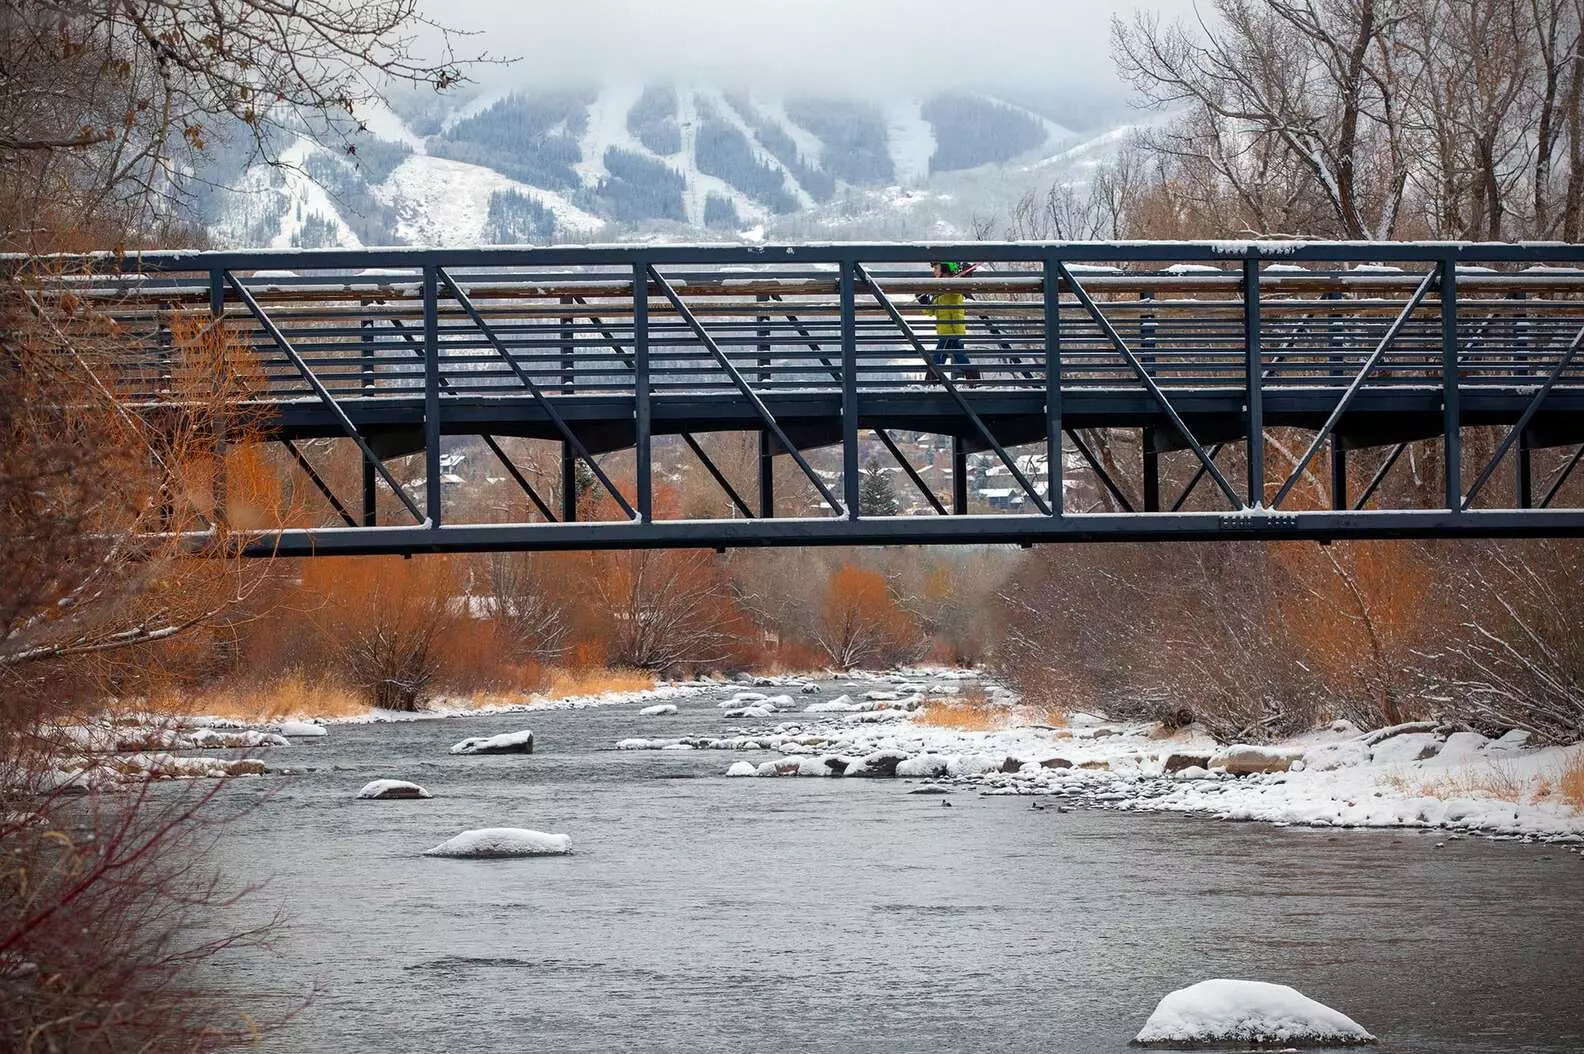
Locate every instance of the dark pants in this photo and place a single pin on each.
(954, 346)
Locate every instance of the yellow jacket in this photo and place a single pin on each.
(950, 318)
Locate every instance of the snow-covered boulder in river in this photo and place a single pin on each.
(505, 743)
(1236, 1013)
(658, 710)
(383, 790)
(743, 768)
(301, 729)
(493, 842)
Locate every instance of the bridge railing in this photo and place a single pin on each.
(567, 324)
(1198, 345)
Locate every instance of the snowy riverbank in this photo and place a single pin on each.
(1416, 775)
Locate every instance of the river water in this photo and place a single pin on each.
(713, 914)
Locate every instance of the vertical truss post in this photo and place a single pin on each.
(642, 466)
(568, 350)
(217, 297)
(1256, 401)
(1523, 473)
(431, 342)
(1151, 469)
(1339, 480)
(1053, 397)
(370, 496)
(568, 484)
(849, 358)
(766, 477)
(959, 474)
(764, 340)
(1147, 328)
(1452, 422)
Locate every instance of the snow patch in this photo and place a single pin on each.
(1224, 1011)
(491, 842)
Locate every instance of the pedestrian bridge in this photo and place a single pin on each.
(1261, 390)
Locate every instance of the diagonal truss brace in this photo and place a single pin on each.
(1562, 477)
(1528, 415)
(747, 390)
(1205, 460)
(907, 467)
(569, 436)
(1099, 471)
(324, 395)
(717, 475)
(863, 275)
(1356, 386)
(519, 478)
(318, 481)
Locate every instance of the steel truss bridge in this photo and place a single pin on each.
(1216, 354)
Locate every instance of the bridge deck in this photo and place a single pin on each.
(1198, 346)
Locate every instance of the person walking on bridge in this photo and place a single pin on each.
(950, 320)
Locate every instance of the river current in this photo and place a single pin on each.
(713, 914)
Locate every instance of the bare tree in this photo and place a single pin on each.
(668, 608)
(527, 602)
(101, 104)
(1292, 105)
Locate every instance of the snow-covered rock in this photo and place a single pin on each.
(925, 765)
(657, 710)
(810, 689)
(301, 729)
(490, 842)
(743, 768)
(1244, 759)
(379, 790)
(840, 704)
(1331, 756)
(1223, 1012)
(973, 764)
(878, 764)
(505, 743)
(1411, 746)
(749, 711)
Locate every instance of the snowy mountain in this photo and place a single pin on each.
(650, 161)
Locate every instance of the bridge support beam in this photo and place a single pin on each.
(1339, 482)
(1523, 474)
(766, 477)
(1151, 470)
(568, 484)
(959, 476)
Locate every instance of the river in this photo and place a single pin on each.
(713, 914)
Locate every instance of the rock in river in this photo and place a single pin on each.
(381, 790)
(506, 743)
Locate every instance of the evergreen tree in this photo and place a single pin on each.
(876, 494)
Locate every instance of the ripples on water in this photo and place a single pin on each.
(848, 915)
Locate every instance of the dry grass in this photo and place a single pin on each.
(1490, 781)
(1569, 780)
(597, 681)
(294, 695)
(968, 712)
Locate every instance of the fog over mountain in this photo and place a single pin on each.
(619, 121)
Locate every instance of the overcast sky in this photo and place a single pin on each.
(870, 45)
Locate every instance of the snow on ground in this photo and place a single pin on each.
(442, 202)
(607, 127)
(698, 185)
(256, 192)
(809, 146)
(489, 842)
(387, 789)
(1221, 1012)
(911, 141)
(1415, 775)
(729, 114)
